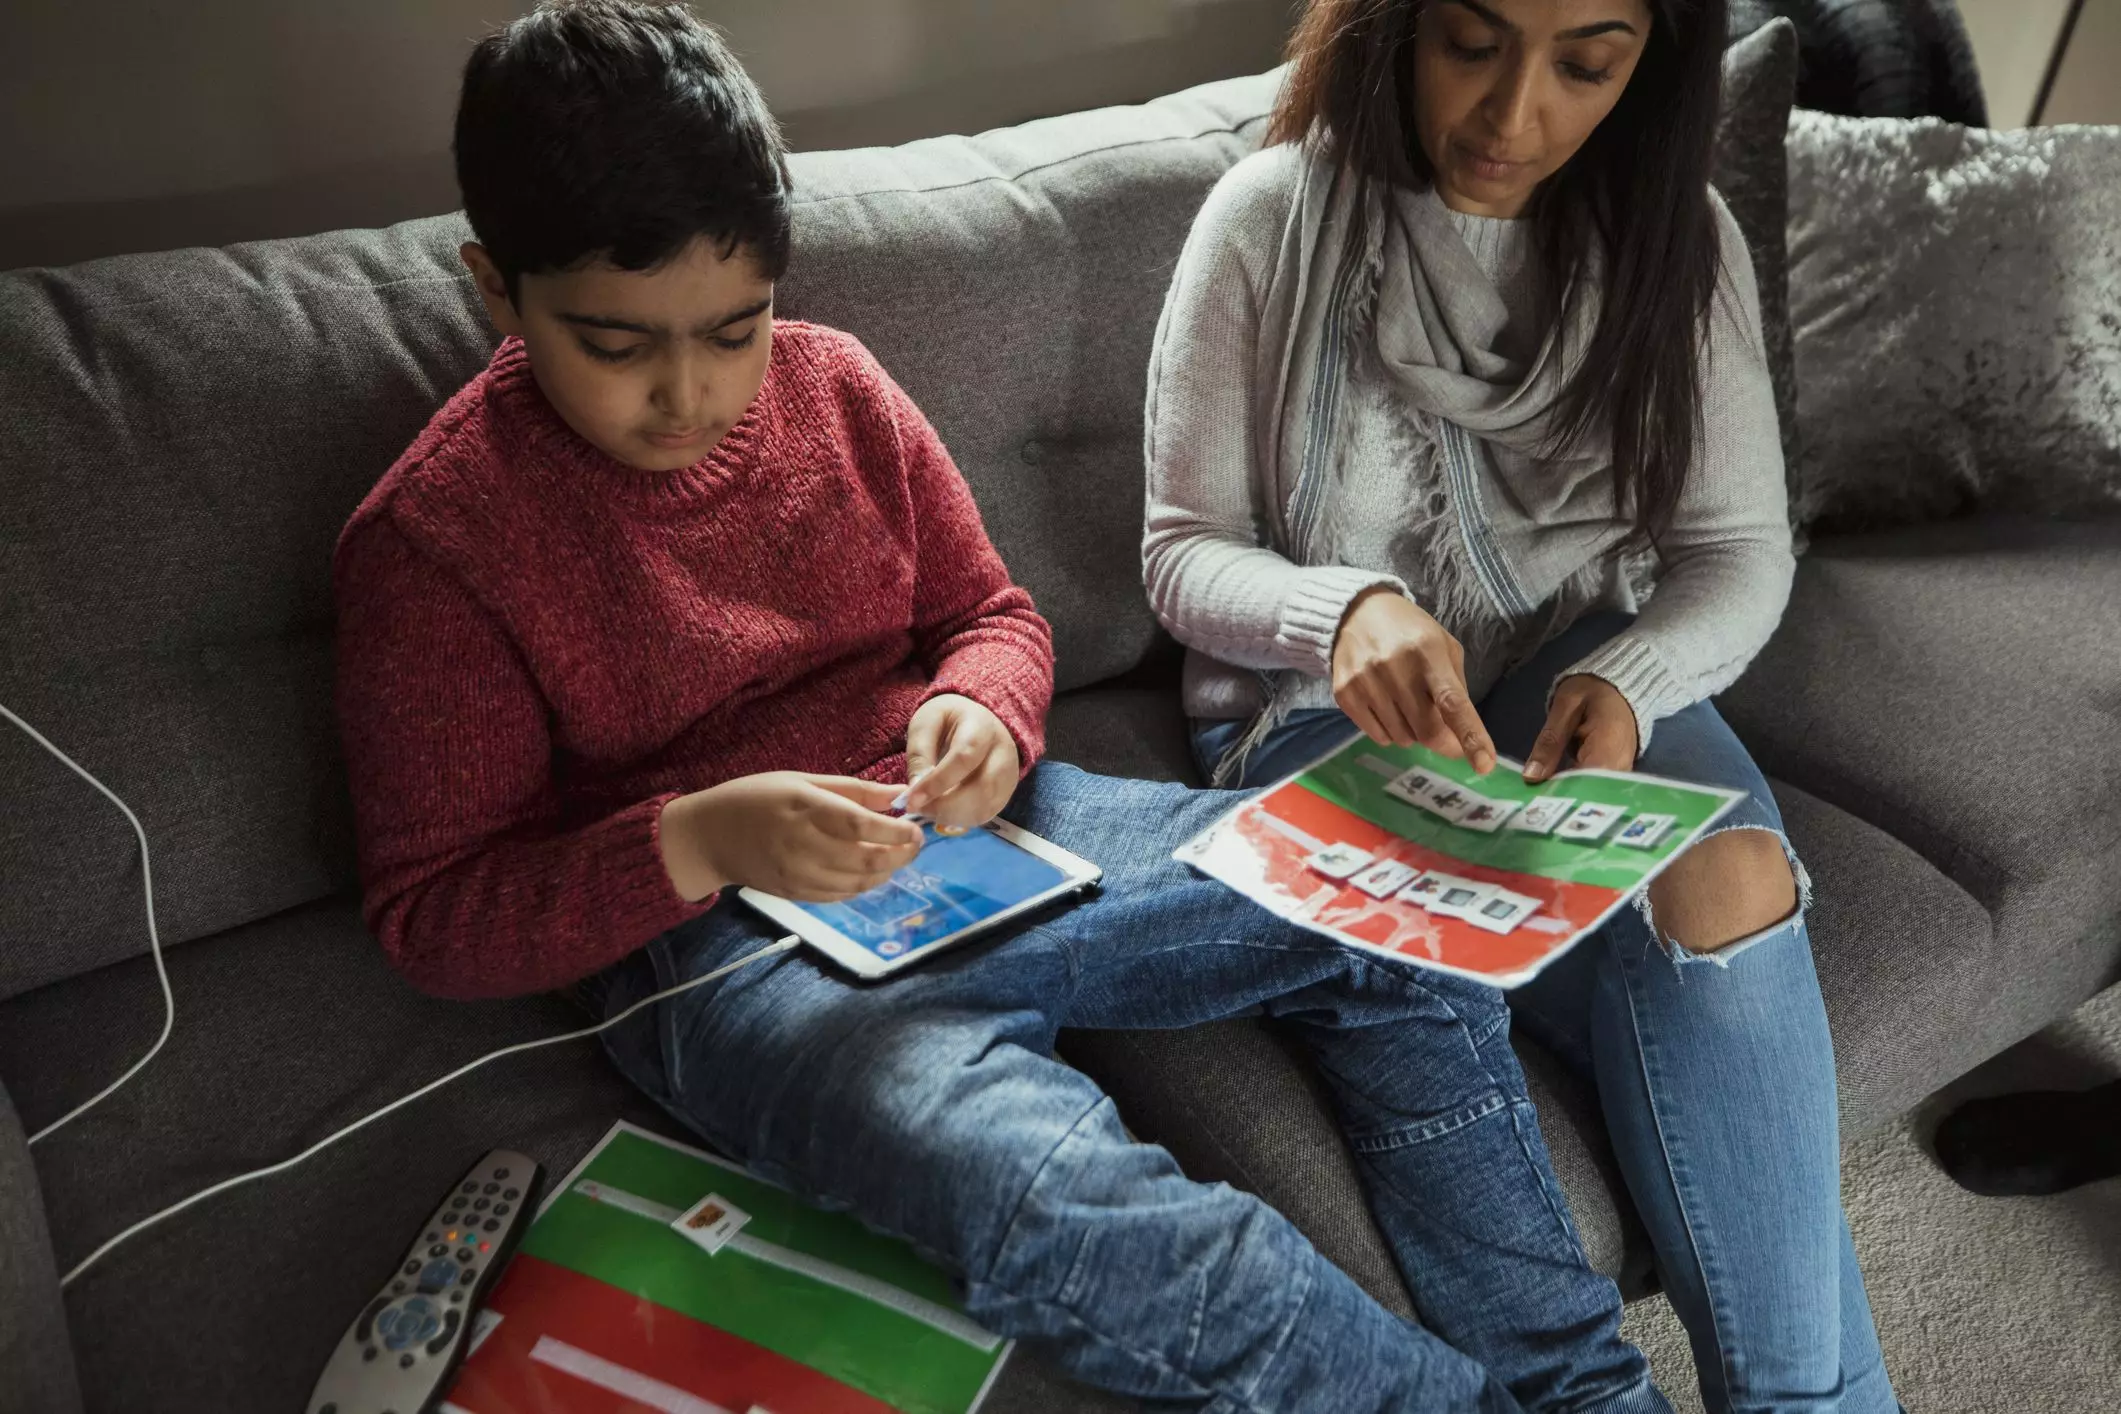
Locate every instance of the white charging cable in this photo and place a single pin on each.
(169, 1021)
(154, 939)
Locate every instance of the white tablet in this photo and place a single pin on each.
(957, 887)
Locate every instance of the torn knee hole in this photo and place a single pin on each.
(1728, 888)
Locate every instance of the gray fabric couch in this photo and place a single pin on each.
(182, 435)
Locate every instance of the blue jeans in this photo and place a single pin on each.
(1716, 1076)
(931, 1105)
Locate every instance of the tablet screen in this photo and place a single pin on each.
(953, 883)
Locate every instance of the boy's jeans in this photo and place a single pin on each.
(932, 1106)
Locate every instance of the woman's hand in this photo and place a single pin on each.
(961, 761)
(815, 839)
(1590, 715)
(1402, 679)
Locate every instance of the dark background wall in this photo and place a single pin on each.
(144, 124)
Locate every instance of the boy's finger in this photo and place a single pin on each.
(958, 763)
(975, 802)
(848, 822)
(870, 795)
(878, 862)
(924, 742)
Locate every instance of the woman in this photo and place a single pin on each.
(1450, 376)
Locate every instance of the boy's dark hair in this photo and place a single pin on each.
(620, 129)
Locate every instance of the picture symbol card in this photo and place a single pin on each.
(1539, 817)
(1645, 831)
(1488, 816)
(710, 1223)
(1338, 861)
(1590, 822)
(1503, 911)
(1384, 878)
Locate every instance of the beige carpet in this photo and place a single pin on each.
(1984, 1305)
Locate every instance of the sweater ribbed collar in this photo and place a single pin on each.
(554, 449)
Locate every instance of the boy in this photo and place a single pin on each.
(672, 599)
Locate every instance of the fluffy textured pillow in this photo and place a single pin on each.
(1956, 296)
(1759, 75)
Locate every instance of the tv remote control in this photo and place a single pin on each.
(399, 1354)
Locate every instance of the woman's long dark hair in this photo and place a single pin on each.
(1636, 192)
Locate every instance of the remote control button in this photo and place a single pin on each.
(492, 1188)
(369, 1353)
(406, 1323)
(438, 1275)
(500, 1173)
(493, 1224)
(510, 1194)
(463, 1254)
(500, 1210)
(455, 1297)
(397, 1288)
(482, 1204)
(412, 1266)
(437, 1250)
(471, 1185)
(327, 1409)
(449, 1330)
(367, 1323)
(405, 1361)
(468, 1278)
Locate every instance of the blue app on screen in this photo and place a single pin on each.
(953, 883)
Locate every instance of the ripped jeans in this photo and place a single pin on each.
(1715, 1073)
(932, 1106)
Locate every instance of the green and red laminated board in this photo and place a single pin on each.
(606, 1308)
(1306, 850)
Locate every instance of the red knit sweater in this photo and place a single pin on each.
(539, 646)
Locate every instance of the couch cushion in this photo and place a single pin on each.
(1958, 686)
(1123, 729)
(1892, 938)
(1956, 297)
(1752, 176)
(183, 435)
(1012, 282)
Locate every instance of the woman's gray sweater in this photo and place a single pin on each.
(1502, 553)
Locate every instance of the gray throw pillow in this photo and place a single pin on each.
(1956, 295)
(1759, 76)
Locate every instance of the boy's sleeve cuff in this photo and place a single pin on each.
(1025, 721)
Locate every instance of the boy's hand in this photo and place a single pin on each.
(961, 761)
(1590, 715)
(815, 839)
